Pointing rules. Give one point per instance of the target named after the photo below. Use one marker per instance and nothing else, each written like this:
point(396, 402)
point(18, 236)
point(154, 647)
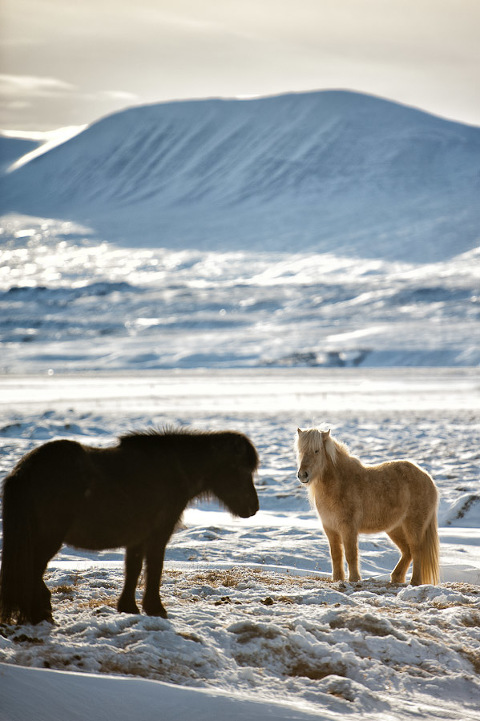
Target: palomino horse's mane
point(314, 439)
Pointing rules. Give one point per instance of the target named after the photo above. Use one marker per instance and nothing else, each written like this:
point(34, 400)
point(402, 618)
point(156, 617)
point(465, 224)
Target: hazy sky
point(69, 62)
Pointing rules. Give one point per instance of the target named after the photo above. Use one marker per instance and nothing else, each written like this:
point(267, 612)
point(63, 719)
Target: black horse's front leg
point(133, 566)
point(155, 553)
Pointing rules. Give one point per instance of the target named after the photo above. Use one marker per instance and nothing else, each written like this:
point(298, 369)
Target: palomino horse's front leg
point(133, 566)
point(350, 542)
point(336, 554)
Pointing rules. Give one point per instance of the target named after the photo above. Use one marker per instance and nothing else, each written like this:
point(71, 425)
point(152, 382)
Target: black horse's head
point(234, 462)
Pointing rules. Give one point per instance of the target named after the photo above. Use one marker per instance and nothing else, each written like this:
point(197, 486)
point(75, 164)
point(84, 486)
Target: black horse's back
point(54, 479)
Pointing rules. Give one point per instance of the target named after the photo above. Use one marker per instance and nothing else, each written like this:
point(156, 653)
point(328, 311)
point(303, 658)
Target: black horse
point(129, 495)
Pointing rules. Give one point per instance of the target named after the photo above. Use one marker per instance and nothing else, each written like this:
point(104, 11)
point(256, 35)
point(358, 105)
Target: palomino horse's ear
point(299, 431)
point(326, 434)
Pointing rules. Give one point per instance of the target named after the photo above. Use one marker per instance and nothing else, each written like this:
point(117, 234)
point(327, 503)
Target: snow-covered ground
point(255, 628)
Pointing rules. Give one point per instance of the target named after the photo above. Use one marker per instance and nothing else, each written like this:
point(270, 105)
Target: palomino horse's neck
point(336, 459)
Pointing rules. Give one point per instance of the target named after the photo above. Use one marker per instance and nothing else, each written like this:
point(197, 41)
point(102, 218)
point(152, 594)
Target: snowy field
point(256, 630)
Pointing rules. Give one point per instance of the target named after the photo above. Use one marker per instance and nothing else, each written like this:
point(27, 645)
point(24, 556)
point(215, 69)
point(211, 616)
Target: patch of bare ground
point(232, 577)
point(316, 670)
point(473, 657)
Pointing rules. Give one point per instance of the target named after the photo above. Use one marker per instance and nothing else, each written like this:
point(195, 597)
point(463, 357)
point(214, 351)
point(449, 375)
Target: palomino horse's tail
point(16, 588)
point(430, 554)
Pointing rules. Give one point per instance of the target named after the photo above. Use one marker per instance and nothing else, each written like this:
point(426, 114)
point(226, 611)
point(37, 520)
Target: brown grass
point(316, 672)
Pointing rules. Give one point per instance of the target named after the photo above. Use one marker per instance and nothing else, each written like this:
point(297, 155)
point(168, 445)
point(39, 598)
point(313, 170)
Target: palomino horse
point(397, 497)
point(131, 494)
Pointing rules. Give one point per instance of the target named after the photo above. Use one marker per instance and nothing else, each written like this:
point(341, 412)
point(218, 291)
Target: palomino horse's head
point(236, 461)
point(311, 453)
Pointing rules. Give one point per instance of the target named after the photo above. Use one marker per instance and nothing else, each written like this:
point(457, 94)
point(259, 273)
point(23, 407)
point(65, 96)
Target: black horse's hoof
point(155, 611)
point(35, 619)
point(123, 607)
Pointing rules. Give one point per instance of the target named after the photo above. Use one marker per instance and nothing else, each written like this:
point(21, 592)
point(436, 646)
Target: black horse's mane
point(168, 432)
point(171, 434)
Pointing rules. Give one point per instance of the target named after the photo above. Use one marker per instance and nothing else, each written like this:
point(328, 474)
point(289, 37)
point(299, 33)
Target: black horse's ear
point(237, 444)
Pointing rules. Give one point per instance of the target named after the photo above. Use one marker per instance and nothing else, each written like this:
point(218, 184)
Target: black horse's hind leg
point(155, 552)
point(41, 608)
point(133, 567)
point(42, 605)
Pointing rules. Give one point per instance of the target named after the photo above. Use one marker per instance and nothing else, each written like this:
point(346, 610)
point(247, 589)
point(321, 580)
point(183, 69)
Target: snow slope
point(11, 149)
point(49, 695)
point(325, 171)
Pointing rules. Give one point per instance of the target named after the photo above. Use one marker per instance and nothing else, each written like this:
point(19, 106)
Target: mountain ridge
point(331, 170)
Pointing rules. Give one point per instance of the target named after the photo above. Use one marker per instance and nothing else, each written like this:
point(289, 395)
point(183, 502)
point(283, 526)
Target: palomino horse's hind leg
point(416, 579)
point(399, 573)
point(413, 533)
point(336, 554)
point(133, 566)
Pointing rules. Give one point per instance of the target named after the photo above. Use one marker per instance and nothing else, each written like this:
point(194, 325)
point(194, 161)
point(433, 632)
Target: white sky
point(69, 62)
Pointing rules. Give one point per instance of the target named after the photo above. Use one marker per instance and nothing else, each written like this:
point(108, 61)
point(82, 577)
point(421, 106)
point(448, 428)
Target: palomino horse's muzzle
point(303, 476)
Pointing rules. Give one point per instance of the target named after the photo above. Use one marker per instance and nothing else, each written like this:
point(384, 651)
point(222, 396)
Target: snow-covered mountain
point(325, 171)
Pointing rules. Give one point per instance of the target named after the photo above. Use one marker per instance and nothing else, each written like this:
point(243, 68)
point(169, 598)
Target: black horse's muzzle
point(250, 509)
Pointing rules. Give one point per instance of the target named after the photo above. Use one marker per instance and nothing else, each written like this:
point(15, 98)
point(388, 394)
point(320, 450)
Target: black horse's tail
point(16, 574)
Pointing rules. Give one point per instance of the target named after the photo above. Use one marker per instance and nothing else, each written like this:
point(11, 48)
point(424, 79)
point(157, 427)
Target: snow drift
point(322, 171)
